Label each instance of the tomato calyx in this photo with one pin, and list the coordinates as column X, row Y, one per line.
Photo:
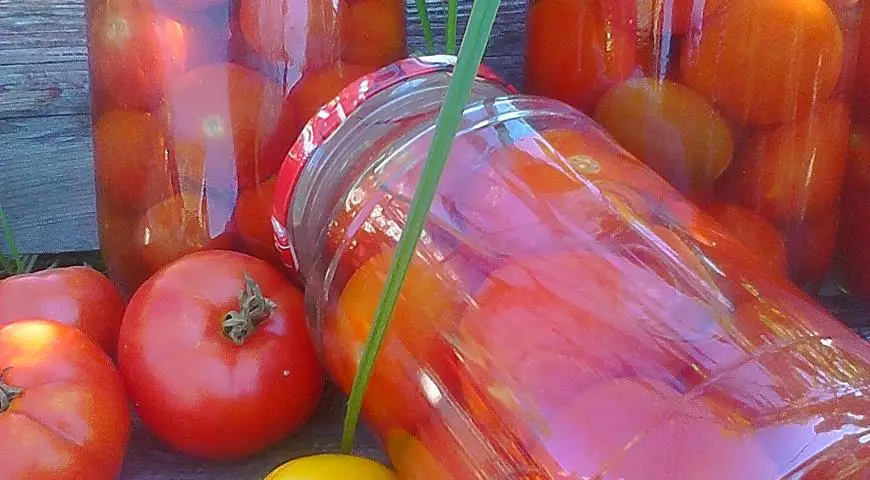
column 254, row 309
column 7, row 392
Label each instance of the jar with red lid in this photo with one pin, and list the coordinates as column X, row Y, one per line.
column 567, row 313
column 195, row 105
column 743, row 105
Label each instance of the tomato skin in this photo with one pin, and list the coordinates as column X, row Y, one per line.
column 854, row 240
column 80, row 297
column 576, row 50
column 756, row 233
column 194, row 388
column 332, row 467
column 300, row 32
column 317, row 87
column 253, row 220
column 72, row 421
column 810, row 247
column 862, row 77
column 729, row 60
column 373, row 32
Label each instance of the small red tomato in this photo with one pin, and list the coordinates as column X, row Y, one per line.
column 216, row 355
column 756, row 233
column 862, row 77
column 121, row 246
column 793, row 170
column 855, row 243
column 810, row 247
column 318, row 87
column 133, row 51
column 80, row 297
column 181, row 225
column 131, row 160
column 301, row 32
column 253, row 221
column 858, row 161
column 63, row 411
column 373, row 32
column 577, row 50
column 220, row 117
column 674, row 17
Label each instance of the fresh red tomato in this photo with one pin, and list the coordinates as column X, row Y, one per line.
column 221, row 116
column 575, row 50
column 670, row 128
column 427, row 310
column 80, row 297
column 793, row 170
column 373, row 32
column 181, row 225
column 302, row 32
column 253, row 221
column 133, row 51
column 131, row 160
column 731, row 59
column 216, row 355
column 63, row 411
column 759, row 235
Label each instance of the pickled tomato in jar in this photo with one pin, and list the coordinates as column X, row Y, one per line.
column 196, row 103
column 737, row 102
column 567, row 313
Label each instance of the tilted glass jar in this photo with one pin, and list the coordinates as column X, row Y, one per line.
column 567, row 314
column 743, row 105
column 195, row 105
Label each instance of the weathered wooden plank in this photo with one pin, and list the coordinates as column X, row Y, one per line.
column 44, row 89
column 47, row 182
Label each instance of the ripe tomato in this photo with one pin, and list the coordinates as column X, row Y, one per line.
column 80, row 297
column 759, row 235
column 810, row 247
column 862, row 77
column 855, row 244
column 131, row 159
column 575, row 50
column 796, row 169
column 318, row 87
column 373, row 32
column 209, row 377
column 120, row 247
column 426, row 311
column 675, row 17
column 302, row 32
column 133, row 50
column 220, row 117
column 670, row 128
column 181, row 225
column 765, row 62
column 332, row 467
column 63, row 412
column 858, row 160
column 253, row 220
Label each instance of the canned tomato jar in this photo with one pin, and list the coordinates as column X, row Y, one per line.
column 743, row 105
column 567, row 313
column 195, row 105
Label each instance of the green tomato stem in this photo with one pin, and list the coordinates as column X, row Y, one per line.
column 7, row 392
column 254, row 309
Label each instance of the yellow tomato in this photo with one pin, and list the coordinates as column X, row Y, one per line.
column 332, row 467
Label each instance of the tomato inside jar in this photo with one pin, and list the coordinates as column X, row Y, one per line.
column 196, row 104
column 566, row 313
column 741, row 102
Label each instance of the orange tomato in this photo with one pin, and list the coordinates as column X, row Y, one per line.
column 576, row 50
column 373, row 32
column 253, row 221
column 131, row 160
column 133, row 51
column 180, row 225
column 670, row 128
column 759, row 235
column 220, row 116
column 300, row 32
column 793, row 170
column 318, row 87
column 765, row 61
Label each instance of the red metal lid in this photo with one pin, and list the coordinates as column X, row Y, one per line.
column 330, row 117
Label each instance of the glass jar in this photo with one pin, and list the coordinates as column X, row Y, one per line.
column 855, row 209
column 743, row 105
column 195, row 105
column 567, row 313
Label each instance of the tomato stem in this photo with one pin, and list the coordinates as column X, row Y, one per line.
column 254, row 309
column 7, row 392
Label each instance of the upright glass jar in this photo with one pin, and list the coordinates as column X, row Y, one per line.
column 195, row 105
column 567, row 314
column 743, row 105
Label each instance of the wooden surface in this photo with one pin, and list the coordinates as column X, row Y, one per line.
column 45, row 145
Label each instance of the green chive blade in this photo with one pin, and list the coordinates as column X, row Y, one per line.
column 423, row 15
column 452, row 20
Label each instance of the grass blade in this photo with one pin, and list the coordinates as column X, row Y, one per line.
column 452, row 19
column 471, row 52
column 423, row 15
column 12, row 261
